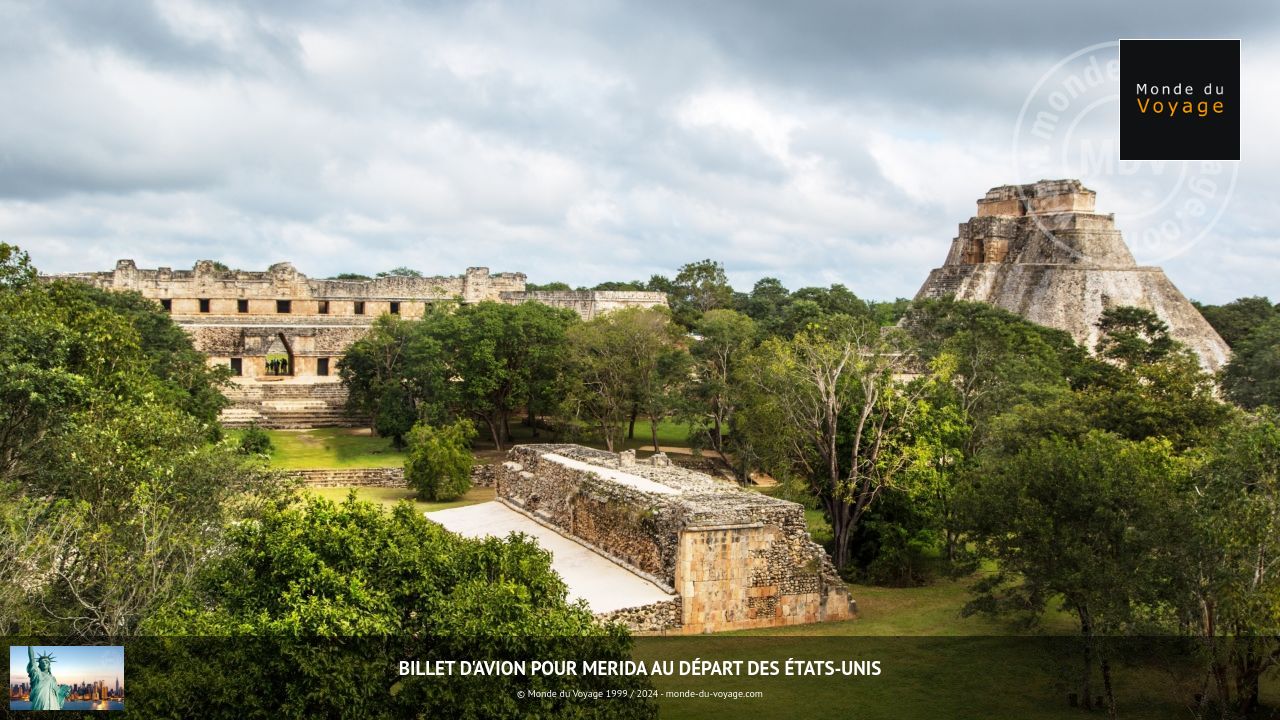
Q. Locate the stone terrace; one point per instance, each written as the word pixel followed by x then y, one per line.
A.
pixel 737 559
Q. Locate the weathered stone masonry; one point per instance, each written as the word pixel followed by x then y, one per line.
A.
pixel 281 327
pixel 1040 250
pixel 735 559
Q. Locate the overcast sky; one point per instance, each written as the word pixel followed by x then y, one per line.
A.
pixel 583 141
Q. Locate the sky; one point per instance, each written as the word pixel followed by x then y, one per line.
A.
pixel 816 142
pixel 72 665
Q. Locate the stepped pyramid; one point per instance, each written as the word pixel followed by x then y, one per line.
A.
pixel 1041 251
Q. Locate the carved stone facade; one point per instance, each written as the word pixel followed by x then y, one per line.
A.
pixel 1041 251
pixel 734 559
pixel 245 319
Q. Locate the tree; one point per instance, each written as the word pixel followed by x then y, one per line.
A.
pixel 551 286
pixel 724 337
pixel 1252 376
pixel 828 407
pixel 311 600
pixel 1075 518
pixel 698 287
pixel 1221 553
pixel 376 370
pixel 622 362
pixel 766 304
pixel 401 271
pixel 105 448
pixel 439 462
pixel 1237 319
pixel 350 276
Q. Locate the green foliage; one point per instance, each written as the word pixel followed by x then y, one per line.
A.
pixel 382 585
pixel 829 406
pixel 624 362
pixel 1237 319
pixel 481 361
pixel 401 271
pixel 395 414
pixel 106 420
pixel 1133 336
pixel 723 338
pixel 1252 376
pixel 350 276
pixel 439 462
pixel 698 287
pixel 255 441
pixel 551 286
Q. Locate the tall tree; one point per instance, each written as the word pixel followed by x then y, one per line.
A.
pixel 723 338
pixel 829 406
pixel 624 360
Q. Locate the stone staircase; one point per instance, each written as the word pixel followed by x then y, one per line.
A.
pixel 288 406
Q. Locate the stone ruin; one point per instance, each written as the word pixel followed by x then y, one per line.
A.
pixel 732 559
pixel 282 333
pixel 1041 251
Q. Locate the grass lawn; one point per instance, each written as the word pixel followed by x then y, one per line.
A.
pixel 337 448
pixel 934 664
pixel 389 497
pixel 332 448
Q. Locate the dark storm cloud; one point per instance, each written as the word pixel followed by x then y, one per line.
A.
pixel 582 141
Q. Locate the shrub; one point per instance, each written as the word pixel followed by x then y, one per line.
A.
pixel 255 441
pixel 439 461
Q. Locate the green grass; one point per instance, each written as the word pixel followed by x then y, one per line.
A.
pixel 934 664
pixel 389 497
pixel 332 448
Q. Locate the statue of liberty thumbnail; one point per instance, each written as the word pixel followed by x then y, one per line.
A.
pixel 46 693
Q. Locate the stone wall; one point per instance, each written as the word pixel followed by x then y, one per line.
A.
pixel 238 317
pixel 737 559
pixel 354 477
pixel 481 476
pixel 1041 251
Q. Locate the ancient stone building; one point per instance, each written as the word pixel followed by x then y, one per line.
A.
pixel 702 554
pixel 1041 251
pixel 282 333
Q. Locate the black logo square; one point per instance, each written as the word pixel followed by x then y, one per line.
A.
pixel 1179 99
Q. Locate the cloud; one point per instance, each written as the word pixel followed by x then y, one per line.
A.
pixel 578 141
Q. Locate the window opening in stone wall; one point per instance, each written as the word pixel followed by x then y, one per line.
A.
pixel 322 366
pixel 395 307
pixel 204 305
pixel 359 307
pixel 284 306
pixel 237 367
pixel 322 307
pixel 167 304
pixel 242 306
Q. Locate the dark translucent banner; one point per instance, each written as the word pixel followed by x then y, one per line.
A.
pixel 712 676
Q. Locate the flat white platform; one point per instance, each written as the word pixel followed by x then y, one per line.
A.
pixel 605 585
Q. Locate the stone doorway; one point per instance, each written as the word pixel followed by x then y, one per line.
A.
pixel 279 360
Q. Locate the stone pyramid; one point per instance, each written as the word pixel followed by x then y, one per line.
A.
pixel 1041 251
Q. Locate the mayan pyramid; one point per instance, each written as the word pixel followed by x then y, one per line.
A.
pixel 1041 251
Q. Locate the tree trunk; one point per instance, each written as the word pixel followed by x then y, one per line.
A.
pixel 1086 632
pixel 531 418
pixel 841 528
pixel 493 432
pixel 631 427
pixel 653 431
pixel 506 426
pixel 1106 686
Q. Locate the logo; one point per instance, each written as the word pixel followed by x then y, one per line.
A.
pixel 1069 127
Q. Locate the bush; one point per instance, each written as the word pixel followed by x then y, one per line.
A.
pixel 255 441
pixel 439 462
